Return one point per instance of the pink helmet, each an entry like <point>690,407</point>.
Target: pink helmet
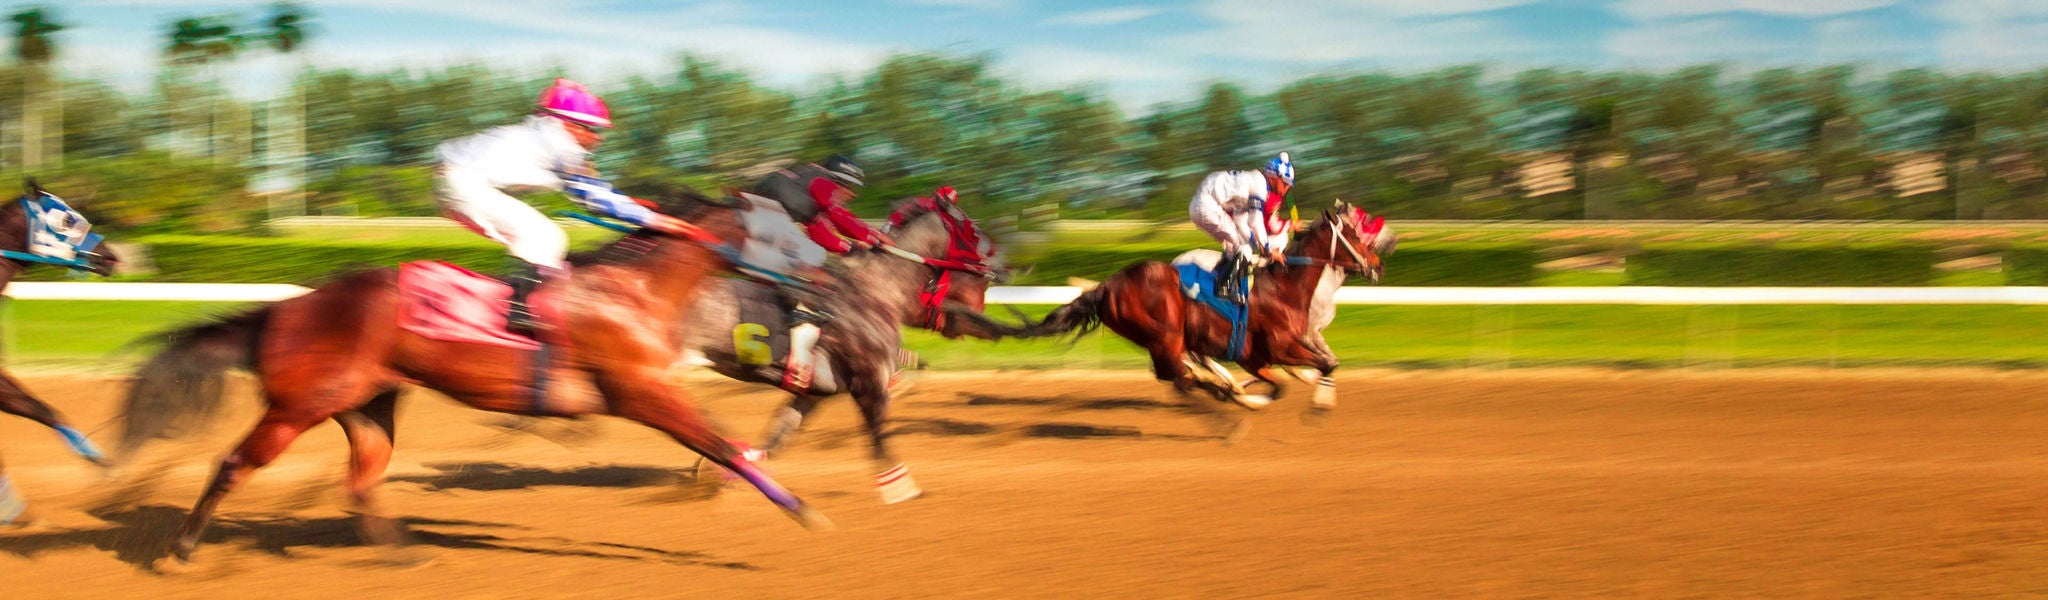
<point>570,100</point>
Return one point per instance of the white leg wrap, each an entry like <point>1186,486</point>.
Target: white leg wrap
<point>896,485</point>
<point>802,339</point>
<point>1326,394</point>
<point>11,503</point>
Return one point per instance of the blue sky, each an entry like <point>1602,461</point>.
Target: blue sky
<point>1137,52</point>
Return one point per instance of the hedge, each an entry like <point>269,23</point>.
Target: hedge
<point>1439,264</point>
<point>1750,264</point>
<point>2026,265</point>
<point>224,259</point>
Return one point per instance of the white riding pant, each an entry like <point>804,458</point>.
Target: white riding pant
<point>1235,230</point>
<point>526,233</point>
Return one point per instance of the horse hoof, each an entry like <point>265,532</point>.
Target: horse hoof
<point>178,563</point>
<point>1252,401</point>
<point>812,519</point>
<point>1237,432</point>
<point>403,559</point>
<point>1315,417</point>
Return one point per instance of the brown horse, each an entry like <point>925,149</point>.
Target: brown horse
<point>339,353</point>
<point>1146,304</point>
<point>14,233</point>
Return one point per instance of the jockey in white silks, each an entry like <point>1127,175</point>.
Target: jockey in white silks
<point>550,150</point>
<point>1239,209</point>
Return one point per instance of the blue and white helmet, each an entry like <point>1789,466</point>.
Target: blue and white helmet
<point>1281,167</point>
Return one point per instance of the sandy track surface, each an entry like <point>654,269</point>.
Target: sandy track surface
<point>1424,484</point>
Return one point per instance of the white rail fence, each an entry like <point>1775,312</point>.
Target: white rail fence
<point>1711,323</point>
<point>1480,296</point>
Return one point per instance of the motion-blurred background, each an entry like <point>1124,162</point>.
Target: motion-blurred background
<point>1515,142</point>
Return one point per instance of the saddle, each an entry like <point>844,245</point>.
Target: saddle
<point>448,303</point>
<point>1200,280</point>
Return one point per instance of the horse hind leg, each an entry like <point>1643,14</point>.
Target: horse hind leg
<point>372,432</point>
<point>269,439</point>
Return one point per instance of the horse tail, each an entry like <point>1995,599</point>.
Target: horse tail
<point>1081,316</point>
<point>179,390</point>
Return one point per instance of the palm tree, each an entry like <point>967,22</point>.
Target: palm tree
<point>205,43</point>
<point>287,34</point>
<point>33,49</point>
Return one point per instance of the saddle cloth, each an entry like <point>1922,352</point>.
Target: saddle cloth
<point>452,304</point>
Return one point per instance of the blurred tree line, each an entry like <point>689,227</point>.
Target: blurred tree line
<point>1453,143</point>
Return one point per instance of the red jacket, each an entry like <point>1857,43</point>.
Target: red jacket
<point>822,191</point>
<point>968,244</point>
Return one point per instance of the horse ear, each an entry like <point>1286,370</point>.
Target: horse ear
<point>34,189</point>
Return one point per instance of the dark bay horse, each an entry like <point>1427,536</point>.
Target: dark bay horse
<point>14,239</point>
<point>875,294</point>
<point>1145,304</point>
<point>339,353</point>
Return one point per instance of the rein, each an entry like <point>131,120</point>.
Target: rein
<point>708,241</point>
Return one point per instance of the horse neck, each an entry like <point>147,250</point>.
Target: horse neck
<point>1297,283</point>
<point>672,269</point>
<point>890,282</point>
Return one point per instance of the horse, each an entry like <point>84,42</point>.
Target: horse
<point>339,352</point>
<point>16,256</point>
<point>877,292</point>
<point>1148,303</point>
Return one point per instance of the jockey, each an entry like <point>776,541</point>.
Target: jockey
<point>815,196</point>
<point>1238,209</point>
<point>971,246</point>
<point>550,150</point>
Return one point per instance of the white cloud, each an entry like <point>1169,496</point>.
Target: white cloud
<point>1853,40</point>
<point>1106,16</point>
<point>973,4</point>
<point>1059,65</point>
<point>2004,33</point>
<point>1661,9</point>
<point>1402,8</point>
<point>1325,31</point>
<point>1695,41</point>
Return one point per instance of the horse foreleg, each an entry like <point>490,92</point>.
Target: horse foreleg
<point>371,432</point>
<point>788,421</point>
<point>643,395</point>
<point>15,400</point>
<point>892,477</point>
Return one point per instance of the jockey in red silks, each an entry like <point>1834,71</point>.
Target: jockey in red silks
<point>1241,209</point>
<point>815,196</point>
<point>550,150</point>
<point>969,244</point>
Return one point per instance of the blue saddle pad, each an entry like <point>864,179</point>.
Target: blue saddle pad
<point>1200,285</point>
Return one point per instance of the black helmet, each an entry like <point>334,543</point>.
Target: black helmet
<point>843,169</point>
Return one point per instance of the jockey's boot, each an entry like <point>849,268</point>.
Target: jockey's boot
<point>520,319</point>
<point>803,337</point>
<point>1233,279</point>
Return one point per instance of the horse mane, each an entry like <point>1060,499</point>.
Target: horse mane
<point>672,199</point>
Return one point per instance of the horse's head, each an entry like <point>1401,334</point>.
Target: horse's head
<point>954,238</point>
<point>60,233</point>
<point>1347,237</point>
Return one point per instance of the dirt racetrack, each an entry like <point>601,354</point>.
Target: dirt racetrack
<point>1423,484</point>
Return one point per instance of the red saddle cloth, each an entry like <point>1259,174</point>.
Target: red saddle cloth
<point>452,304</point>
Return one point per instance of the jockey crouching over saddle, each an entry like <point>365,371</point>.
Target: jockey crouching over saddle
<point>1239,209</point>
<point>814,196</point>
<point>550,150</point>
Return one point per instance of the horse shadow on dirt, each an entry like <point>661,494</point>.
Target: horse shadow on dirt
<point>496,476</point>
<point>140,536</point>
<point>1066,402</point>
